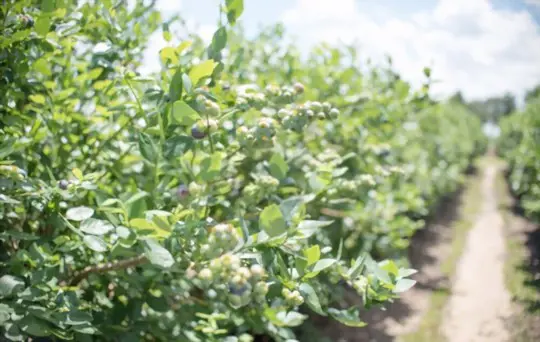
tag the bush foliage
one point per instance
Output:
(519, 144)
(228, 196)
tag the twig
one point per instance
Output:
(103, 268)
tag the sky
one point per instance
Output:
(480, 47)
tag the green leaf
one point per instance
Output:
(272, 222)
(5, 313)
(78, 318)
(42, 66)
(278, 166)
(166, 33)
(187, 83)
(157, 255)
(378, 272)
(183, 114)
(20, 35)
(234, 10)
(403, 285)
(211, 167)
(136, 205)
(13, 333)
(147, 147)
(183, 46)
(311, 298)
(34, 326)
(356, 268)
(340, 249)
(78, 173)
(313, 254)
(202, 70)
(85, 329)
(47, 5)
(95, 226)
(168, 54)
(310, 227)
(8, 200)
(95, 73)
(149, 226)
(323, 264)
(219, 41)
(300, 265)
(177, 145)
(283, 318)
(95, 243)
(79, 213)
(17, 235)
(136, 197)
(349, 317)
(42, 25)
(161, 222)
(319, 182)
(175, 88)
(10, 285)
(37, 98)
(290, 207)
(406, 272)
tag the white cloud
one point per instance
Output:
(471, 45)
(533, 2)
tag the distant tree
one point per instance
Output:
(494, 108)
(532, 93)
(457, 97)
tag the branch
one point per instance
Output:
(103, 268)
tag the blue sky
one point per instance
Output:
(482, 47)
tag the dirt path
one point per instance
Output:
(479, 303)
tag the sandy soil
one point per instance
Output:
(479, 304)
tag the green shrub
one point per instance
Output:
(519, 144)
(219, 199)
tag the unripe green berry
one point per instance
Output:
(216, 265)
(326, 106)
(257, 271)
(298, 88)
(205, 274)
(315, 106)
(238, 280)
(261, 288)
(195, 189)
(286, 293)
(334, 113)
(244, 272)
(283, 113)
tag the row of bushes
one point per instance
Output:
(519, 145)
(218, 200)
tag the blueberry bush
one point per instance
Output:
(227, 197)
(519, 145)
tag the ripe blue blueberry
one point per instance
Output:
(182, 191)
(63, 184)
(237, 290)
(197, 133)
(27, 20)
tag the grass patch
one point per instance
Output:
(470, 205)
